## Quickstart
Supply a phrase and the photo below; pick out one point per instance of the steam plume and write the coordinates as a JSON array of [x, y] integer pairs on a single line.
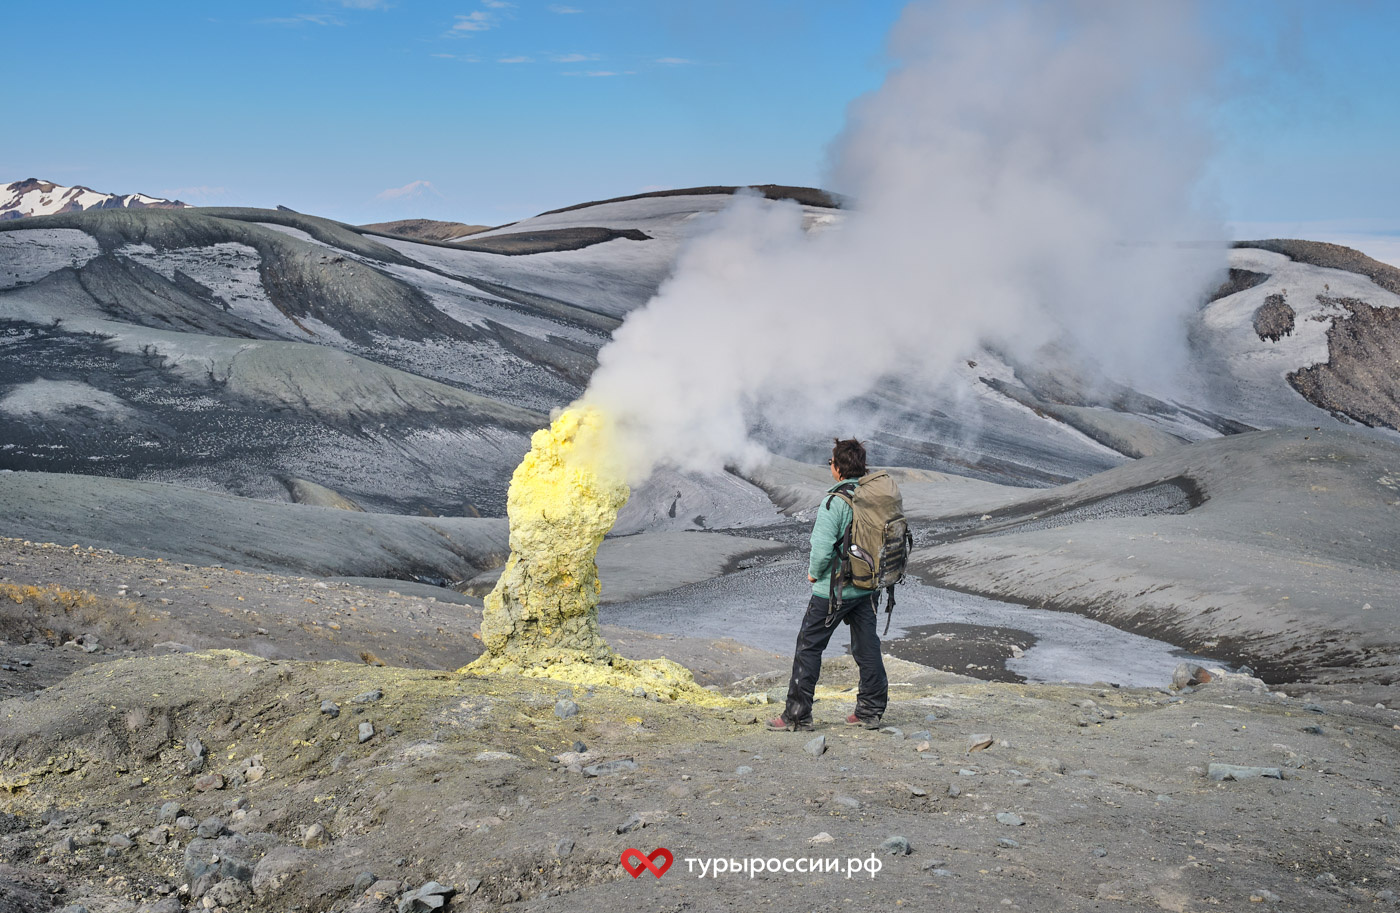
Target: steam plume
[[1026, 175]]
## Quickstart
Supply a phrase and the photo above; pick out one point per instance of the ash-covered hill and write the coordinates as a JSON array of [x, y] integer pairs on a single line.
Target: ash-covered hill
[[255, 351]]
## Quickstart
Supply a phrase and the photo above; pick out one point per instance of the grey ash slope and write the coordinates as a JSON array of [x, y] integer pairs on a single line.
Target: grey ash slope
[[241, 350], [1277, 548], [224, 353], [153, 520]]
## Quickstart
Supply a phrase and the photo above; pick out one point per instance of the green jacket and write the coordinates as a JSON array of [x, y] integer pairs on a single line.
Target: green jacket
[[832, 520]]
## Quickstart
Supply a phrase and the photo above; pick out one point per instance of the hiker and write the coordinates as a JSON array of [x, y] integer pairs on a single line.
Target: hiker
[[831, 562]]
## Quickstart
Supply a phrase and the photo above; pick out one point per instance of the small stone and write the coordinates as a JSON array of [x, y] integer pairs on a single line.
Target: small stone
[[895, 845], [366, 731], [848, 801], [494, 756], [743, 770], [954, 790], [579, 747], [1222, 772], [923, 745], [964, 772], [1313, 730], [254, 774], [1010, 819], [895, 732], [473, 884], [821, 838], [169, 812], [186, 823], [316, 836], [64, 847], [120, 841], [206, 782], [164, 905], [608, 768], [226, 893], [745, 717], [210, 828], [1007, 843], [156, 836], [1263, 895], [563, 847], [816, 747], [1189, 675], [368, 697], [431, 896], [631, 824], [330, 709], [978, 742], [923, 735], [1100, 852], [565, 709], [363, 881]]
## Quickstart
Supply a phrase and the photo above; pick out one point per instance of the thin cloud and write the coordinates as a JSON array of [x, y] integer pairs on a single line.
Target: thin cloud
[[595, 73], [193, 194], [515, 60], [563, 10], [409, 191], [674, 61], [574, 58], [365, 4], [478, 21], [302, 19], [496, 4]]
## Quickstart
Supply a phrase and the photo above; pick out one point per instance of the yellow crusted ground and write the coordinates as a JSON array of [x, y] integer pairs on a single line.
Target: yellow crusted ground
[[541, 620]]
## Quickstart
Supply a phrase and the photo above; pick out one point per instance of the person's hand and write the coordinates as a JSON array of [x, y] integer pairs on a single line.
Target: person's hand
[[811, 579]]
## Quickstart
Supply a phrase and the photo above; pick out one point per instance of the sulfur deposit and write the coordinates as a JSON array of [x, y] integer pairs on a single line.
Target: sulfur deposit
[[541, 620]]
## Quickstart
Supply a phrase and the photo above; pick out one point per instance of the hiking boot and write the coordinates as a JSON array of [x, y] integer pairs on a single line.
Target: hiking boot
[[778, 724], [854, 720]]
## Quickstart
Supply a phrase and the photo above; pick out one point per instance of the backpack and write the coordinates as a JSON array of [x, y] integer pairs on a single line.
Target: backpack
[[874, 549]]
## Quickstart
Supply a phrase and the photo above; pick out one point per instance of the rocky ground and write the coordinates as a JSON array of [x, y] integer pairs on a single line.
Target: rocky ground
[[138, 777]]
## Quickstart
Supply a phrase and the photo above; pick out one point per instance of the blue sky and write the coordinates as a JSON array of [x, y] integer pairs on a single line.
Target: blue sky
[[487, 111]]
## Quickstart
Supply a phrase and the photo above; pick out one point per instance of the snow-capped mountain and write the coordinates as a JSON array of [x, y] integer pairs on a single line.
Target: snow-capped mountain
[[33, 197]]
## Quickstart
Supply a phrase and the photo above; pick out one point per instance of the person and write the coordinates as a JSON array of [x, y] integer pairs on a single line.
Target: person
[[856, 609]]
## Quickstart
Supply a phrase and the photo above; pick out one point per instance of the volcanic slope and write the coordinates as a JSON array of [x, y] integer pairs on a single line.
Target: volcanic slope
[[241, 350]]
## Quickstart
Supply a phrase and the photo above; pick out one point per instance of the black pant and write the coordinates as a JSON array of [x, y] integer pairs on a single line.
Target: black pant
[[865, 647]]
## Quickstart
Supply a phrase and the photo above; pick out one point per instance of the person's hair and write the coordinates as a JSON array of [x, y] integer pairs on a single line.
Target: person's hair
[[849, 458]]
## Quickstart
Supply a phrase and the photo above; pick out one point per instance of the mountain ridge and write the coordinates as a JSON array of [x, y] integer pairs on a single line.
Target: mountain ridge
[[34, 197]]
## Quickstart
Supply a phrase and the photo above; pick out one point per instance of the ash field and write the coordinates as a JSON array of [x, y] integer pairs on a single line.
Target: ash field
[[267, 454]]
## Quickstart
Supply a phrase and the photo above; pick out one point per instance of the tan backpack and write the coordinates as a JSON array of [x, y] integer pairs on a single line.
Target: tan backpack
[[873, 551]]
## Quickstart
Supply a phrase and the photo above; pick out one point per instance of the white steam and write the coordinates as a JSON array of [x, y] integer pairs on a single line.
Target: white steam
[[1026, 175]]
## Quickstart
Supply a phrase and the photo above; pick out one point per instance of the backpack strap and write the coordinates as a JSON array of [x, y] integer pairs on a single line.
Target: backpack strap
[[841, 552], [845, 491]]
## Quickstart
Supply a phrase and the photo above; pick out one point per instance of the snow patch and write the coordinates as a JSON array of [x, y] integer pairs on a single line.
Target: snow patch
[[48, 398]]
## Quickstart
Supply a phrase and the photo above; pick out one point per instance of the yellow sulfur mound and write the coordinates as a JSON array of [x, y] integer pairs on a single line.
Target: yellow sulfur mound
[[541, 620]]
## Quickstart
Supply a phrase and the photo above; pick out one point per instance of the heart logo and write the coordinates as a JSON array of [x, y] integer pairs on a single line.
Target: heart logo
[[635, 863]]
